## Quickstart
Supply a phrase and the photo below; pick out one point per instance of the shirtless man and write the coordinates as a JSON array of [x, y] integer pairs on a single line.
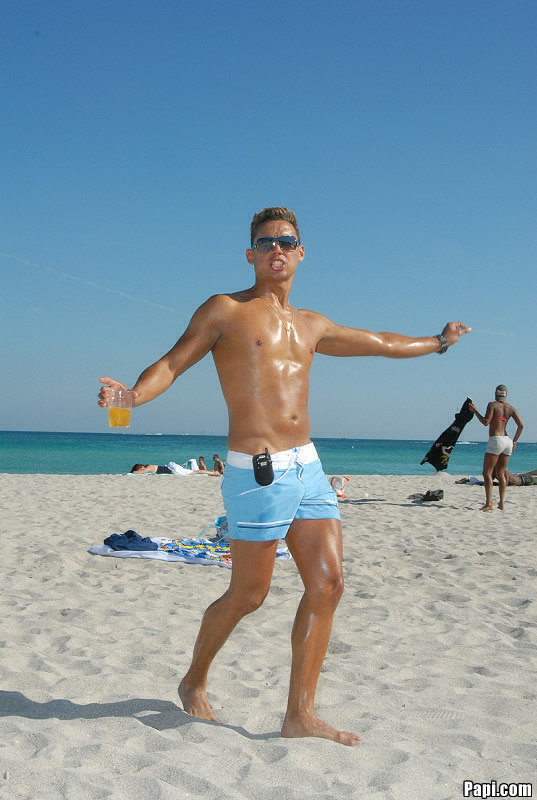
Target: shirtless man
[[218, 464], [499, 446], [521, 478], [263, 349]]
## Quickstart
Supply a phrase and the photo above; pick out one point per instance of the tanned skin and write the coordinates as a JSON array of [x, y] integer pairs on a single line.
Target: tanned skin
[[496, 417], [264, 374]]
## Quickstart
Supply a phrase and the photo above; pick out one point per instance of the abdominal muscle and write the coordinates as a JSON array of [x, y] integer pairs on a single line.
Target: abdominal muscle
[[252, 429]]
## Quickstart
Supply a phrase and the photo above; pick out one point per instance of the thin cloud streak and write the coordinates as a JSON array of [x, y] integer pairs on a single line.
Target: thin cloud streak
[[92, 284], [492, 333]]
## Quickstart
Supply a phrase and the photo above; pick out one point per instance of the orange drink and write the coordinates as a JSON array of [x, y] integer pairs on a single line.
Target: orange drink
[[119, 417], [119, 408]]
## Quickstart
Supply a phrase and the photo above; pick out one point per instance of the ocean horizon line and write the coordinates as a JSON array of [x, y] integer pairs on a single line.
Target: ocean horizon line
[[423, 439]]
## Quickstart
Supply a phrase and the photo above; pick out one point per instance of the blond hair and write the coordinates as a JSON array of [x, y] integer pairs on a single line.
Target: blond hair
[[273, 213]]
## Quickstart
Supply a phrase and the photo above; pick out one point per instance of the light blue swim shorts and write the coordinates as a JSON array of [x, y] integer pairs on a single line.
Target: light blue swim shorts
[[300, 490]]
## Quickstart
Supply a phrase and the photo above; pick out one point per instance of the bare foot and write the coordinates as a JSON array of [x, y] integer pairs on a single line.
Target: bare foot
[[313, 726], [487, 508], [500, 506], [195, 702]]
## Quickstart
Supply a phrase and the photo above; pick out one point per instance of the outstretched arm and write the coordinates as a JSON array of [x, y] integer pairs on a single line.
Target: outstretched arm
[[199, 338], [487, 419], [338, 340]]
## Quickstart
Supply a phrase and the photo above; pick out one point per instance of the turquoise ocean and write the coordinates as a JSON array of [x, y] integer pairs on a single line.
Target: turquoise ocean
[[26, 452]]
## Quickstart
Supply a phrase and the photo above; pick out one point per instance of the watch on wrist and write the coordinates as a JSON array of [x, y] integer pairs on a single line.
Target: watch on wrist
[[443, 343]]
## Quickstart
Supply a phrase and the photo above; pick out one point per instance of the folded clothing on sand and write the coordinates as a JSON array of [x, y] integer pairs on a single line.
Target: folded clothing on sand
[[130, 540]]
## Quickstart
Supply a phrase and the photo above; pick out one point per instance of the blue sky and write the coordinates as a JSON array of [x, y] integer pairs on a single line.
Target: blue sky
[[140, 137]]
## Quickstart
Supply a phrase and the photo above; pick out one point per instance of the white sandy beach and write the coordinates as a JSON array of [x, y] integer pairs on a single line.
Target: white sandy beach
[[432, 659]]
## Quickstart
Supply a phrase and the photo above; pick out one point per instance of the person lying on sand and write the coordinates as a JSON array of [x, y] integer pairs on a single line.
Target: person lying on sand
[[521, 478], [513, 479], [171, 469]]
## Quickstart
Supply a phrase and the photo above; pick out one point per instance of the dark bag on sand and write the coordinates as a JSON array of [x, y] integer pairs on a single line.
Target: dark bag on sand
[[432, 494], [435, 494]]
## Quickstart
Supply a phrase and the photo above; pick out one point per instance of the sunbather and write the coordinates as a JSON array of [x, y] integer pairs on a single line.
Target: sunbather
[[171, 468]]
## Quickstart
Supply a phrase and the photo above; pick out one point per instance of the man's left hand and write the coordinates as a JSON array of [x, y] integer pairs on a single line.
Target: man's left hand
[[454, 330]]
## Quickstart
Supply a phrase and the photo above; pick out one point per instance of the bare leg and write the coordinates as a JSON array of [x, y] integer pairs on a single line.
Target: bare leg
[[317, 550], [252, 566], [501, 467], [488, 468]]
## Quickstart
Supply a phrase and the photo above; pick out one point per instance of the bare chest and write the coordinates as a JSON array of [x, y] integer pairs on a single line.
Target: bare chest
[[267, 338]]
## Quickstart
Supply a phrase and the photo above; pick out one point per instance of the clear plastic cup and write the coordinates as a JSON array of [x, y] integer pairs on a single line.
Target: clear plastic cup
[[119, 408]]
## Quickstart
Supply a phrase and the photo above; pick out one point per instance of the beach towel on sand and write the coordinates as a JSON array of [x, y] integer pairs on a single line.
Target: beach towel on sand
[[191, 551]]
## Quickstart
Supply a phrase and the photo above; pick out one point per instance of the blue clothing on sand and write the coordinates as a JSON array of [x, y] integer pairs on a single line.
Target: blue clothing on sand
[[130, 540]]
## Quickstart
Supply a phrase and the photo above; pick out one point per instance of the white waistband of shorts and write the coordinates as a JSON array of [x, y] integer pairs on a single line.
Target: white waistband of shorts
[[282, 460]]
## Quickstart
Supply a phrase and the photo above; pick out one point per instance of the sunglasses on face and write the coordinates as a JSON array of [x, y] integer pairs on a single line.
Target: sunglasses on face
[[268, 243]]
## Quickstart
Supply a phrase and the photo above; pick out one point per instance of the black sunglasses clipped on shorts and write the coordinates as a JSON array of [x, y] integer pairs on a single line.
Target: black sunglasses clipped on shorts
[[268, 243]]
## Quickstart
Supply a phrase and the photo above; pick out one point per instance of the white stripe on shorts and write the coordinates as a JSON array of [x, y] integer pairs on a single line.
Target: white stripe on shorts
[[282, 460]]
